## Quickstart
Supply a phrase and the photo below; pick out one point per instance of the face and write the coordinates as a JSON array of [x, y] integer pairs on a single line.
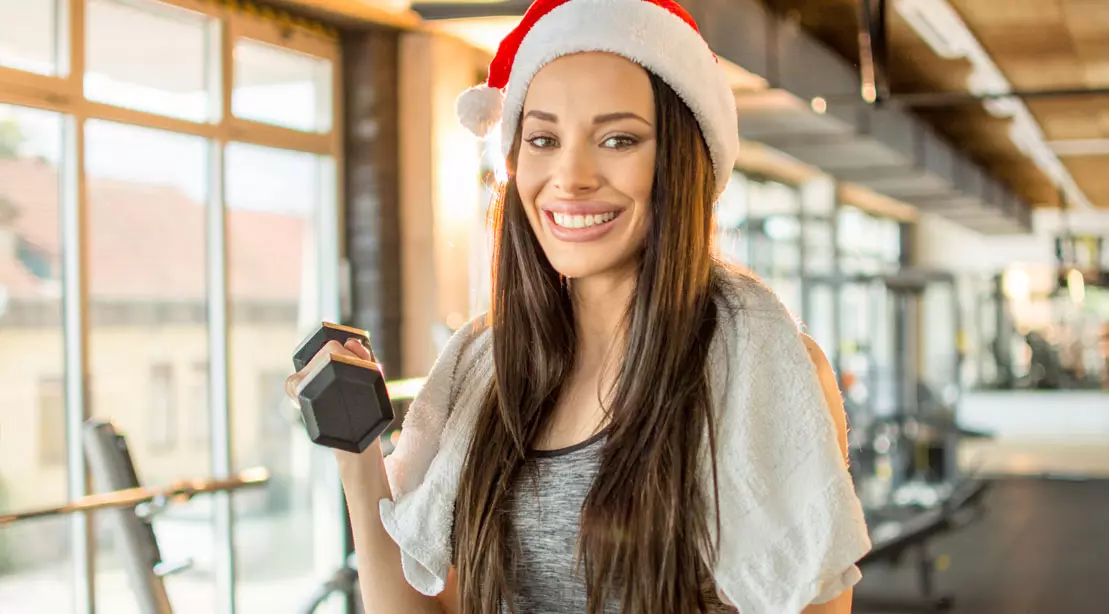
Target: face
[[587, 162]]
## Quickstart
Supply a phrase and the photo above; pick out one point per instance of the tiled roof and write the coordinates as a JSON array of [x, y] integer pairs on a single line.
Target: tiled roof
[[146, 242]]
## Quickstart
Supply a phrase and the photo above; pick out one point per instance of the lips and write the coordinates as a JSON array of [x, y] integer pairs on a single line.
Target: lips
[[578, 221]]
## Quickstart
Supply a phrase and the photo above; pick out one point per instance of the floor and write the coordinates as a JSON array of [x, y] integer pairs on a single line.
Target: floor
[[1041, 548], [1026, 456]]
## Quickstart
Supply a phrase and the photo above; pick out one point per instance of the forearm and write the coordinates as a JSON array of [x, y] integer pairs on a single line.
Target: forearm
[[380, 577], [839, 605]]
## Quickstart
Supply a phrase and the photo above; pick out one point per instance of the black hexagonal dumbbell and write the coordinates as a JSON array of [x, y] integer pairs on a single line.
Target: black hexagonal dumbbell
[[343, 400]]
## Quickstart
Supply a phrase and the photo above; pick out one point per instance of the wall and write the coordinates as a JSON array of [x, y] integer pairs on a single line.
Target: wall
[[944, 244], [439, 190]]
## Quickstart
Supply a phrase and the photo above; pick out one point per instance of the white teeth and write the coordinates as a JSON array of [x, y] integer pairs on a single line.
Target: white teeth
[[583, 221]]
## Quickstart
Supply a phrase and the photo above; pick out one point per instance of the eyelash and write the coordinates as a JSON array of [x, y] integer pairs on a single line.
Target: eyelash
[[627, 141]]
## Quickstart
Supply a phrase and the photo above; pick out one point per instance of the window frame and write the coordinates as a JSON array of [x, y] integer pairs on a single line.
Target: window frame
[[63, 93]]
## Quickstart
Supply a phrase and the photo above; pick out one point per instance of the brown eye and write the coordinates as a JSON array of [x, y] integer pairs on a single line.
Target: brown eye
[[620, 142], [541, 142]]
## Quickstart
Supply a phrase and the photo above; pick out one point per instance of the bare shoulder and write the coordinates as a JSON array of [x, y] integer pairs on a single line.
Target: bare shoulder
[[830, 386]]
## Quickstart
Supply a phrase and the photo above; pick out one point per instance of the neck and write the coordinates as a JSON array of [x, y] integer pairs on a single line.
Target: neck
[[600, 304]]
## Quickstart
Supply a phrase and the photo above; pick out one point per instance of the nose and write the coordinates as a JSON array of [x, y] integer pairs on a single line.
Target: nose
[[576, 172]]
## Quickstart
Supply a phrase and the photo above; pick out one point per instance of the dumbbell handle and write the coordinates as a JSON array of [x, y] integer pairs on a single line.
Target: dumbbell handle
[[313, 369], [304, 352]]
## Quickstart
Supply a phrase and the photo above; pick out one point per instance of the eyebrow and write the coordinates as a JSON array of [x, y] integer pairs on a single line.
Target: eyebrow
[[597, 120]]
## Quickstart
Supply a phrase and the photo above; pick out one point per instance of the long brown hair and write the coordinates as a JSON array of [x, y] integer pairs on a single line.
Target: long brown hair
[[644, 536]]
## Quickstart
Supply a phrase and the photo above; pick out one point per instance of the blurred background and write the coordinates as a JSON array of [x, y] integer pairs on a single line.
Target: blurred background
[[188, 187]]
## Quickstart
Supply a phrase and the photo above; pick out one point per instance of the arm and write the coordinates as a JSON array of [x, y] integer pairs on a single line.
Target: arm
[[842, 603], [365, 482], [382, 582]]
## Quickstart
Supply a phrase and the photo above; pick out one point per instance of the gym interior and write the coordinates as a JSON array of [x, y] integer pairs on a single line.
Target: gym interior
[[188, 188]]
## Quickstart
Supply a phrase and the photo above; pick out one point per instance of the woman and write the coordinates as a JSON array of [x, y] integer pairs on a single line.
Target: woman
[[632, 427]]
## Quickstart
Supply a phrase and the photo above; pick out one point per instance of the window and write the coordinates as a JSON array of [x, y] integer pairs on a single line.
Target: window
[[147, 205], [149, 56], [51, 412], [29, 36], [133, 254], [198, 409], [34, 555], [161, 417], [265, 73], [274, 201]]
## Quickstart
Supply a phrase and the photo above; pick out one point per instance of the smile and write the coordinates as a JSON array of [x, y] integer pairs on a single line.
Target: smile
[[581, 223]]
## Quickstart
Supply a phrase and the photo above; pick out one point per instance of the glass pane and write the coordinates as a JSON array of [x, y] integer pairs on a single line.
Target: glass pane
[[850, 229], [34, 555], [148, 330], [770, 197], [149, 57], [730, 246], [273, 198], [281, 87], [731, 207], [821, 319], [818, 196], [28, 35], [819, 250], [788, 290]]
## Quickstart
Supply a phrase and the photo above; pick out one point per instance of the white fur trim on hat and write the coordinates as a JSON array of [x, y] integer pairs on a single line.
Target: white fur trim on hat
[[649, 35]]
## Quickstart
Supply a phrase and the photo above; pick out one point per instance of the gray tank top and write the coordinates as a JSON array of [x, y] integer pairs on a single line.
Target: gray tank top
[[546, 511]]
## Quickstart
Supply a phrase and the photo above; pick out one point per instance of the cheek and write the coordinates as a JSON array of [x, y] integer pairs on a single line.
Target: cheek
[[529, 178], [638, 184], [529, 182]]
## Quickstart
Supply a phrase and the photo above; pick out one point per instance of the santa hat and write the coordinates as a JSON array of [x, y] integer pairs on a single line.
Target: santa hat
[[656, 34]]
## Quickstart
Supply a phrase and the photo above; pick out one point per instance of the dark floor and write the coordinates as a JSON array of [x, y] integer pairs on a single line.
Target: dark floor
[[1041, 548]]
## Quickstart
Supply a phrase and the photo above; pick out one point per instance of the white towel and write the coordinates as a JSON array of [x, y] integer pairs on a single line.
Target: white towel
[[792, 527]]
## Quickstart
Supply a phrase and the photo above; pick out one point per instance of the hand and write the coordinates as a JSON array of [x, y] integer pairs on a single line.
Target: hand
[[352, 348]]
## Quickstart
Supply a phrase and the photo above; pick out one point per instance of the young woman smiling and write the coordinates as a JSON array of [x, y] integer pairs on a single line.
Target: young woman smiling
[[633, 427]]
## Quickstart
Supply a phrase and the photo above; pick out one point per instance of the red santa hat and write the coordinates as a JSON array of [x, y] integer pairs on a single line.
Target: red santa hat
[[656, 34]]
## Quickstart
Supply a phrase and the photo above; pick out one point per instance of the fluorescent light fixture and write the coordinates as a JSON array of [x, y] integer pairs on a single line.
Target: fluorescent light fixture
[[941, 28]]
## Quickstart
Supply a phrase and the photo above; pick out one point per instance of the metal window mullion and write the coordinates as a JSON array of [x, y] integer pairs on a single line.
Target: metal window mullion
[[219, 377], [219, 324], [75, 308], [75, 225]]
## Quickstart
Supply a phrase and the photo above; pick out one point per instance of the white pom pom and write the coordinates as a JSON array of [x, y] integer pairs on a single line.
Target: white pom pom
[[479, 109]]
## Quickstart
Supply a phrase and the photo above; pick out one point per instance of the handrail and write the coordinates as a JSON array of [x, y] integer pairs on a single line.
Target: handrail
[[132, 497]]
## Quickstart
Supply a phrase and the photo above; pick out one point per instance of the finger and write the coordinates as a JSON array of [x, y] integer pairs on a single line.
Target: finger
[[291, 384], [355, 345]]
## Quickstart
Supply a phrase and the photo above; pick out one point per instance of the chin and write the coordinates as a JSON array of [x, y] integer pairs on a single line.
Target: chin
[[583, 265]]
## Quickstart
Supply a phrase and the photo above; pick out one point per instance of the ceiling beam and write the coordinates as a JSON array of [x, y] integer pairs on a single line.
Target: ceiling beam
[[433, 11], [951, 99]]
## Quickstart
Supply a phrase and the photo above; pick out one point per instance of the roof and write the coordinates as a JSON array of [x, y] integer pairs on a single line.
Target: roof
[[146, 242]]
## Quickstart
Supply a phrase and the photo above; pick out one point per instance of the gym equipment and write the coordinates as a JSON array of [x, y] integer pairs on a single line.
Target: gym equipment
[[343, 400], [897, 532], [343, 581], [146, 502], [129, 509], [902, 387]]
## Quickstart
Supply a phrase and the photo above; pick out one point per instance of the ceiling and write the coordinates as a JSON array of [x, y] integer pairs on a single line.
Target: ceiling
[[1039, 46], [1050, 153]]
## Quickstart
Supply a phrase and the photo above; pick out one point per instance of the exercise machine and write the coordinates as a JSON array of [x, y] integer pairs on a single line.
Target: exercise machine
[[129, 509], [902, 386]]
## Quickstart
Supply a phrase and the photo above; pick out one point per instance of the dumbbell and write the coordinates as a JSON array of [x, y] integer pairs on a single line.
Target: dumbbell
[[343, 399]]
